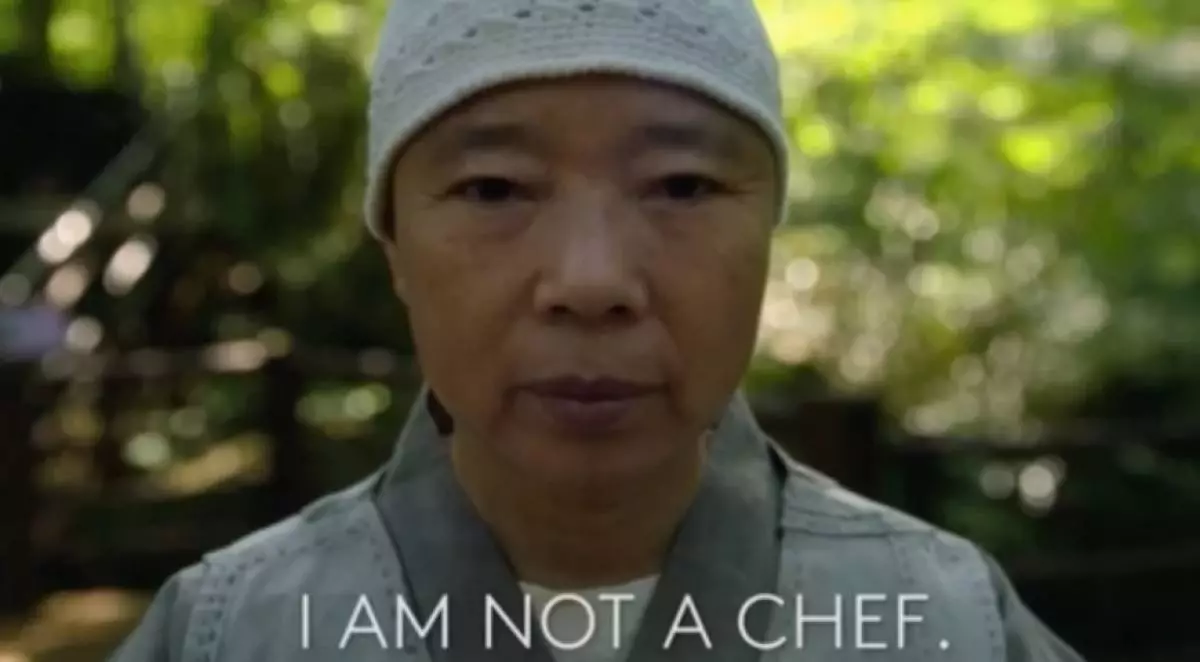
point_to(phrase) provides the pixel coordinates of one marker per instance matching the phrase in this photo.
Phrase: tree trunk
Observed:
(17, 492)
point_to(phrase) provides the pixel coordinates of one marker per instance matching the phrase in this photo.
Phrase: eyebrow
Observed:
(688, 137)
(485, 137)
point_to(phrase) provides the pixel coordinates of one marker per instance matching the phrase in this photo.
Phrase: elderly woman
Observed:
(576, 199)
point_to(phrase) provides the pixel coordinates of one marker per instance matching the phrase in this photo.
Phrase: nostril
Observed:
(616, 314)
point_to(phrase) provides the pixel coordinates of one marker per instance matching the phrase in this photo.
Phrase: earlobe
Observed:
(390, 249)
(399, 286)
(399, 283)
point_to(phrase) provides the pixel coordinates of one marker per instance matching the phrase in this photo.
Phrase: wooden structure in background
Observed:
(18, 496)
(844, 438)
(838, 436)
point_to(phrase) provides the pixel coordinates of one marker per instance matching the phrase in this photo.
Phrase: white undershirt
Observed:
(568, 620)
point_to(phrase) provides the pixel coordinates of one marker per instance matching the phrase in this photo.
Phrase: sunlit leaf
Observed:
(1012, 17)
(1036, 150)
(169, 36)
(81, 39)
(284, 80)
(329, 18)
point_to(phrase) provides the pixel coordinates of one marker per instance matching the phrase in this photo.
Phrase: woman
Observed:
(576, 200)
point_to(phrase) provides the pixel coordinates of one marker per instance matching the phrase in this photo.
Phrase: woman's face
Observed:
(583, 263)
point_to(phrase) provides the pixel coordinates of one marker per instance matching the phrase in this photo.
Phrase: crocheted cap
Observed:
(435, 54)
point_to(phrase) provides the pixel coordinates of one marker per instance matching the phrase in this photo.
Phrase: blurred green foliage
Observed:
(995, 230)
(995, 214)
(995, 202)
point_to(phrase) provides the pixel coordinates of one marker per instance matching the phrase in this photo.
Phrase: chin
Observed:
(571, 462)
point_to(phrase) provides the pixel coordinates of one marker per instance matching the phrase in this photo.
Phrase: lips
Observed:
(590, 407)
(594, 390)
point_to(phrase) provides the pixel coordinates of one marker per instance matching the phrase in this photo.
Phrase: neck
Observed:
(578, 537)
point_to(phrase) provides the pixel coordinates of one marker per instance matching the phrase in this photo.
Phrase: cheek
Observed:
(456, 309)
(712, 294)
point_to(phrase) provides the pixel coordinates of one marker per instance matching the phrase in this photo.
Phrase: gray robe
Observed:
(338, 580)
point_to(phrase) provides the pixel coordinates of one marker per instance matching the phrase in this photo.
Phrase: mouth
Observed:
(588, 408)
(591, 390)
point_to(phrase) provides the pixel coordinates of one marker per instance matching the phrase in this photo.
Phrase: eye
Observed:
(688, 187)
(488, 190)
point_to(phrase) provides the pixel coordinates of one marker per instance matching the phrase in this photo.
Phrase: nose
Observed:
(591, 274)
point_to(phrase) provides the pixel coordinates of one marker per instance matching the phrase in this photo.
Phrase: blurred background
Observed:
(985, 309)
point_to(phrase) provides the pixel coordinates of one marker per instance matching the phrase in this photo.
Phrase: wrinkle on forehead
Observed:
(516, 118)
(708, 139)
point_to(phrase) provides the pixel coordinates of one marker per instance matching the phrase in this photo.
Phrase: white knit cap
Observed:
(434, 54)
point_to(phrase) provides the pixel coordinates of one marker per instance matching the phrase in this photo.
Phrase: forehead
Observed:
(590, 109)
(630, 92)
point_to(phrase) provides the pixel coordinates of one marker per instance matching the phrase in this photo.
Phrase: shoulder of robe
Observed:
(841, 542)
(817, 504)
(325, 536)
(333, 539)
(816, 507)
(160, 634)
(969, 582)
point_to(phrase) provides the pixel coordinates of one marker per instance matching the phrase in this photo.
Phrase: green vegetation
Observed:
(995, 224)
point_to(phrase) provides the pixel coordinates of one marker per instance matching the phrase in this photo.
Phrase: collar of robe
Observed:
(726, 549)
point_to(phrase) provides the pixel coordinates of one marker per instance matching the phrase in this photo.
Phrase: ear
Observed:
(391, 248)
(395, 266)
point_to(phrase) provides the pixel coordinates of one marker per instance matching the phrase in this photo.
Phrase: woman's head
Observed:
(582, 252)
